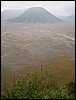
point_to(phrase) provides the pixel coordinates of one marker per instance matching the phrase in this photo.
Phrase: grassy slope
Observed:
(62, 68)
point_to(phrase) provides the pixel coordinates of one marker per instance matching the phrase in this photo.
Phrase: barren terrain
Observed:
(25, 47)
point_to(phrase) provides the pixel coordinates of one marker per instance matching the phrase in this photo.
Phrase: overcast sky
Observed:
(61, 8)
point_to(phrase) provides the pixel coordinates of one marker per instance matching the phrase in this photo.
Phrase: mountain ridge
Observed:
(71, 18)
(9, 14)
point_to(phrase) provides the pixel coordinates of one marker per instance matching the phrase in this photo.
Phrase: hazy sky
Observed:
(62, 8)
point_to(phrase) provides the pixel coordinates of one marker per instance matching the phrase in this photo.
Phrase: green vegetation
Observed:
(34, 86)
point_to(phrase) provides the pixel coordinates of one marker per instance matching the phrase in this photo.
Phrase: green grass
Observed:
(35, 86)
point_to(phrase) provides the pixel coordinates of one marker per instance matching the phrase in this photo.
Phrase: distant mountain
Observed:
(36, 15)
(70, 18)
(62, 17)
(9, 14)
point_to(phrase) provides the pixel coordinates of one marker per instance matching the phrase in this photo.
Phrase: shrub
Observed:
(38, 87)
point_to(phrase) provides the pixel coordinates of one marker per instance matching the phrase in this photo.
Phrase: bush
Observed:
(38, 87)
